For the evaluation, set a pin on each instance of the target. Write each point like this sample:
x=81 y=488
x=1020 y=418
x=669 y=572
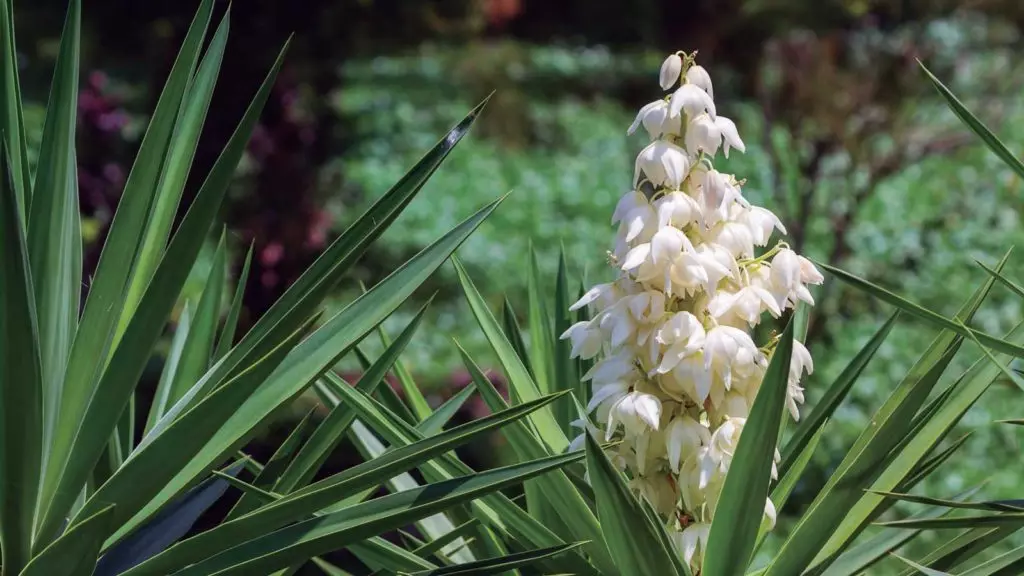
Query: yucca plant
x=621 y=526
x=83 y=491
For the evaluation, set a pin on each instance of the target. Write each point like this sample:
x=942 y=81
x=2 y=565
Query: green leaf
x=740 y=509
x=161 y=398
x=863 y=463
x=305 y=295
x=929 y=466
x=445 y=412
x=317 y=496
x=628 y=532
x=75 y=552
x=566 y=377
x=437 y=544
x=413 y=397
x=976 y=521
x=21 y=385
x=436 y=525
x=925 y=314
x=381 y=555
x=499 y=565
x=87 y=437
x=510 y=326
x=52 y=218
x=858 y=559
x=331 y=431
x=92 y=342
x=541 y=344
x=1003 y=506
x=922 y=569
x=497 y=511
x=195 y=356
x=975 y=125
x=555 y=492
x=151 y=466
x=834 y=396
x=176 y=167
x=278 y=463
x=12 y=121
x=326 y=533
x=923 y=441
x=521 y=384
x=227 y=334
x=1008 y=563
x=966 y=545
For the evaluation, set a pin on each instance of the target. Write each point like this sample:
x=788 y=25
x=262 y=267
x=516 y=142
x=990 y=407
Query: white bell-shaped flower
x=586 y=339
x=761 y=221
x=728 y=349
x=718 y=193
x=700 y=78
x=786 y=281
x=671 y=69
x=692 y=542
x=683 y=438
x=681 y=336
x=702 y=135
x=730 y=135
x=677 y=209
x=657 y=121
x=637 y=412
x=809 y=274
x=664 y=164
x=745 y=305
x=692 y=100
x=636 y=217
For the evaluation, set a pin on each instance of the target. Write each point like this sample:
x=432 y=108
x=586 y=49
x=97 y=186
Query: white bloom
x=700 y=78
x=655 y=258
x=692 y=100
x=769 y=513
x=747 y=305
x=809 y=273
x=692 y=542
x=635 y=215
x=718 y=192
x=702 y=135
x=785 y=280
x=736 y=237
x=730 y=135
x=800 y=363
x=684 y=437
x=656 y=120
x=683 y=335
x=663 y=163
x=697 y=270
x=604 y=294
x=676 y=209
x=728 y=350
x=586 y=339
x=671 y=68
x=658 y=491
x=762 y=222
x=637 y=412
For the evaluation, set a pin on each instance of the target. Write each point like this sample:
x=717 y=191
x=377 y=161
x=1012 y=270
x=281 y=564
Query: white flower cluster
x=678 y=369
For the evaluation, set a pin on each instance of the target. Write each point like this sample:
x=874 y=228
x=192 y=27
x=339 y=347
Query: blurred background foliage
x=845 y=141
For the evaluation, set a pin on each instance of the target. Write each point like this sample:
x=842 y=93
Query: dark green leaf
x=21 y=385
x=740 y=509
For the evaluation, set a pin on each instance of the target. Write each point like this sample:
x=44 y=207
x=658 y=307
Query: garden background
x=846 y=141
